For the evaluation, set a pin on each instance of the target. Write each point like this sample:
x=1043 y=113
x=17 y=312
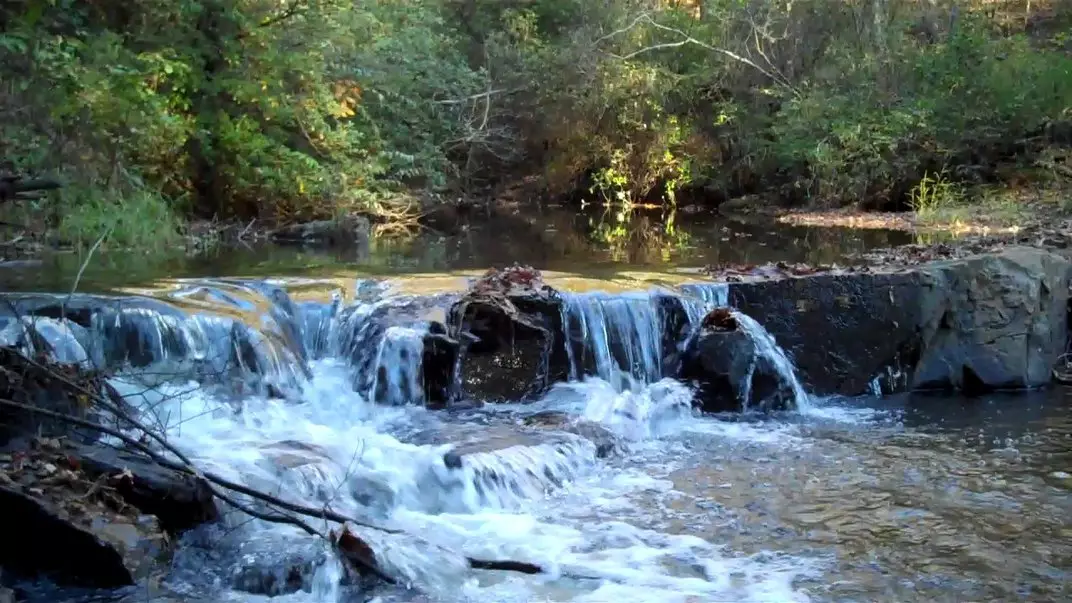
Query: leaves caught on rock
x=513 y=280
x=720 y=319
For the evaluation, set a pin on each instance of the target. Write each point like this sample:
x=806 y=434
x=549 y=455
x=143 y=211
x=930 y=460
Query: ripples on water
x=846 y=500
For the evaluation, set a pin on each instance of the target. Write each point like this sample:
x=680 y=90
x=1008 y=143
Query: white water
x=554 y=504
x=704 y=298
x=622 y=334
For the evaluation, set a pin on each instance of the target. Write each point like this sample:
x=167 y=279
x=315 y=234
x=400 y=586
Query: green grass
x=140 y=219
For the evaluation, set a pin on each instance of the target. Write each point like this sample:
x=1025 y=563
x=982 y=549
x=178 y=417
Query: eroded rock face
x=511 y=324
x=975 y=324
x=729 y=370
x=1000 y=323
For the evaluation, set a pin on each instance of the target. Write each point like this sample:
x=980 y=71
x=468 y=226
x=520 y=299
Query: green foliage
x=139 y=219
x=309 y=108
x=934 y=192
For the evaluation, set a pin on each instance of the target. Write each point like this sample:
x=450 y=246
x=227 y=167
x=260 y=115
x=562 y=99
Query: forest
x=154 y=113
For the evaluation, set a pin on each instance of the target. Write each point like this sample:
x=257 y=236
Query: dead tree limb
x=216 y=483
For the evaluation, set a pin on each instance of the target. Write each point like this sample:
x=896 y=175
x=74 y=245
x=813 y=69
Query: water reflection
x=552 y=238
x=950 y=500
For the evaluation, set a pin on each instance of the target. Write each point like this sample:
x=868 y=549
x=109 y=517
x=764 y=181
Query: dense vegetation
x=153 y=111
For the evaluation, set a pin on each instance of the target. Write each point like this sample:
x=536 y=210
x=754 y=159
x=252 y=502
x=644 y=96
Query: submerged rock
x=271 y=566
x=974 y=324
x=729 y=369
x=605 y=440
x=495 y=466
x=512 y=323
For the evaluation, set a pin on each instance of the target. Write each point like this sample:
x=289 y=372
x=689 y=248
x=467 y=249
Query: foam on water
x=589 y=558
x=331 y=444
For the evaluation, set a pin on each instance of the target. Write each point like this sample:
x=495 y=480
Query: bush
x=307 y=109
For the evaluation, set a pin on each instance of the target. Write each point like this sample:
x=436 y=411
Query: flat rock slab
x=975 y=324
x=180 y=502
x=77 y=544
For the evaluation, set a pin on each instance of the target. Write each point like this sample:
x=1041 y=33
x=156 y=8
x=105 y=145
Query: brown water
x=597 y=244
x=932 y=499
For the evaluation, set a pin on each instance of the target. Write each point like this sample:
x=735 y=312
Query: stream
x=905 y=498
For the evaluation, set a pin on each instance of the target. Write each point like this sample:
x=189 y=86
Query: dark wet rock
x=343 y=232
x=179 y=501
x=76 y=543
x=512 y=325
x=974 y=324
x=729 y=369
x=438 y=364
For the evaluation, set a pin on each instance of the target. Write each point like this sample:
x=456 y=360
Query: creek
x=902 y=498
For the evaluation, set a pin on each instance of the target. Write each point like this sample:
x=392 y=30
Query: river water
x=905 y=498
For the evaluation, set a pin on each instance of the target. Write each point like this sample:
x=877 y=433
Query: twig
x=215 y=483
x=188 y=468
x=246 y=229
x=687 y=39
x=89 y=256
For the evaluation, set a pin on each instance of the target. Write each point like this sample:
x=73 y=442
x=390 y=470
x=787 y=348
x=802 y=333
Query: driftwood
x=357 y=554
x=12 y=187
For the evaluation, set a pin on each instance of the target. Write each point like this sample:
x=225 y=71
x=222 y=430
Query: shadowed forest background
x=156 y=112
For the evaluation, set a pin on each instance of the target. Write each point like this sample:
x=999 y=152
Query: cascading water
x=700 y=299
x=339 y=439
x=619 y=336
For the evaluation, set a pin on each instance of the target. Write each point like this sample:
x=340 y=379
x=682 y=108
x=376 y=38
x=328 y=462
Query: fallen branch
x=12 y=186
x=354 y=553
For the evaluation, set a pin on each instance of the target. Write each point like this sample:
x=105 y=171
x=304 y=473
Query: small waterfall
x=768 y=348
x=501 y=478
x=383 y=341
x=350 y=369
x=398 y=376
x=618 y=337
x=700 y=299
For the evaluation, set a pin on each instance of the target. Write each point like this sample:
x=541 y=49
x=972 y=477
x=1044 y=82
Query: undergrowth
x=310 y=109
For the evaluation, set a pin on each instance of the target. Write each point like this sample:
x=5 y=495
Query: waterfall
x=702 y=298
x=619 y=336
x=699 y=299
x=332 y=418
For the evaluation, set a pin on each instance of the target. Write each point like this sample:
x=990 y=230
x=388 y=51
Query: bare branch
x=222 y=488
x=686 y=39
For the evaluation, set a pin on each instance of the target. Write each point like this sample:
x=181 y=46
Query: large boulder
x=79 y=531
x=511 y=326
x=731 y=370
x=974 y=324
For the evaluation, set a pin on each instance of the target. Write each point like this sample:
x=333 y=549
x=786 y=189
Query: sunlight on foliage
x=309 y=108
